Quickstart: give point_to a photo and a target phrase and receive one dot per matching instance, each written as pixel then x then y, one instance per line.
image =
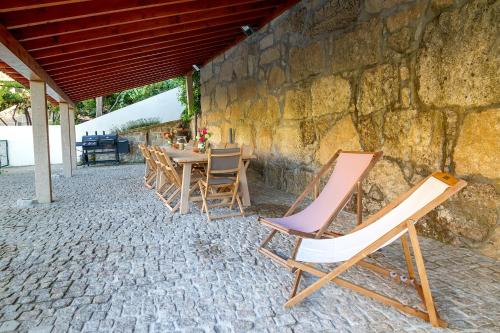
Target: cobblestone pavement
pixel 107 256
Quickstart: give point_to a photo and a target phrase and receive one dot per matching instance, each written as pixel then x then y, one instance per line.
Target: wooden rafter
pixel 88 48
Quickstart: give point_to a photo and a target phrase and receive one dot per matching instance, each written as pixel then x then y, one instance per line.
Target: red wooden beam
pixel 16 5
pixel 36 16
pixel 128 78
pixel 216 45
pixel 125 68
pixel 109 20
pixel 131 75
pixel 86 94
pixel 101 37
pixel 142 45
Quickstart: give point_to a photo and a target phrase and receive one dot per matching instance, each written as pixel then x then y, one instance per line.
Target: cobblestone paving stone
pixel 106 256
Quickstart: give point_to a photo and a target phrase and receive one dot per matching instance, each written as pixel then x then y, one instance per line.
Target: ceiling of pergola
pixel 94 47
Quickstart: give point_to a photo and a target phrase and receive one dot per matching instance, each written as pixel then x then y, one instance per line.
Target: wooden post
pixel 43 181
pixel 98 106
pixel 190 100
pixel 65 139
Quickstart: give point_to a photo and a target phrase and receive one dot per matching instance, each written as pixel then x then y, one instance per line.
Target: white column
pixel 65 139
pixel 72 137
pixel 43 182
pixel 98 106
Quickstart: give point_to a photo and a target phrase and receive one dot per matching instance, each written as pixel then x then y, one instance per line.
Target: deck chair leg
pixel 296 282
pixel 409 262
pixel 359 203
pixel 419 260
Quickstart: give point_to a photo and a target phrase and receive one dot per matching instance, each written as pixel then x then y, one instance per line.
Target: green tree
pixel 85 110
pixel 186 116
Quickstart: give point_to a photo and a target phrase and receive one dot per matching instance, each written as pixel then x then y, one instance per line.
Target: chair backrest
pixel 224 161
pixel 350 168
pixel 417 202
pixel 167 166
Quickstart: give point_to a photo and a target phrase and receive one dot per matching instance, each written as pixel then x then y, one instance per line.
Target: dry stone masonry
pixel 417 79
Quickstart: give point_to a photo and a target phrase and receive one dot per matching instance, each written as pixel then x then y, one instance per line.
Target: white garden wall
pixel 20 141
pixel 164 106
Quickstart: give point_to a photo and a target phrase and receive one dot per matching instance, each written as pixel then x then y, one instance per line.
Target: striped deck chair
pixel 381 229
pixel 350 169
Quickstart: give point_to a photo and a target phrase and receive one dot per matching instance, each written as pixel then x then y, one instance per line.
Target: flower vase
pixel 201 146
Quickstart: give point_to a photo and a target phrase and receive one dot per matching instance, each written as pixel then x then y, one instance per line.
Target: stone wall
pixel 150 135
pixel 417 79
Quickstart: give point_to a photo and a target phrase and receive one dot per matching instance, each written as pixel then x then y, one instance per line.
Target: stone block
pixel 468 218
pixel 400 40
pixel 330 94
pixel 266 42
pixel 334 15
pixel 221 97
pixel 458 63
pixel 306 61
pixel 226 71
pixel 415 136
pixel 375 6
pixel 406 17
pixel 247 89
pixel 478 146
pixel 389 180
pixel 379 89
pixel 276 77
pixel 342 135
pixel 270 55
pixel 288 140
pixel 358 48
pixel 297 104
pixel 263 140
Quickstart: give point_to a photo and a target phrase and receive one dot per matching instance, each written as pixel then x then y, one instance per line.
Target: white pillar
pixel 65 139
pixel 98 106
pixel 72 137
pixel 43 182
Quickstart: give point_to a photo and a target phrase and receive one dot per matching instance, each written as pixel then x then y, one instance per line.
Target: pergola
pixel 71 50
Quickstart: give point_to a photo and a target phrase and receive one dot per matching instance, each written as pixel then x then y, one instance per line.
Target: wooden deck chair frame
pixel 313 187
pixel 150 168
pixel 170 182
pixel 422 288
pixel 221 191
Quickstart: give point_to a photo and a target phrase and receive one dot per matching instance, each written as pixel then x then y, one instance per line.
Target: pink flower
pixel 202 139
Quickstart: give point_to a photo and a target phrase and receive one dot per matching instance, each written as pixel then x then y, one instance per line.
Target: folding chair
pixel 222 181
pixel 150 169
pixel 379 230
pixel 350 169
pixel 169 181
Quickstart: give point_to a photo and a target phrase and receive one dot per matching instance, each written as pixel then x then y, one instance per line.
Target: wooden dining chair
pixel 222 181
pixel 150 169
pixel 169 181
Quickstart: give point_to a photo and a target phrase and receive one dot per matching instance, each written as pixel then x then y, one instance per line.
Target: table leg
pixel 245 194
pixel 186 181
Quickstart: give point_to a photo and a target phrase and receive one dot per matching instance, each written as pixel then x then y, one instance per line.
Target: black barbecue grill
pixel 105 144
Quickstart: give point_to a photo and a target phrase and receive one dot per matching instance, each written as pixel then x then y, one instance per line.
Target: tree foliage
pixel 186 116
pixel 86 109
pixel 15 94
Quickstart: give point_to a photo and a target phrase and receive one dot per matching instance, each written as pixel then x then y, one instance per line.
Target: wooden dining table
pixel 187 157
